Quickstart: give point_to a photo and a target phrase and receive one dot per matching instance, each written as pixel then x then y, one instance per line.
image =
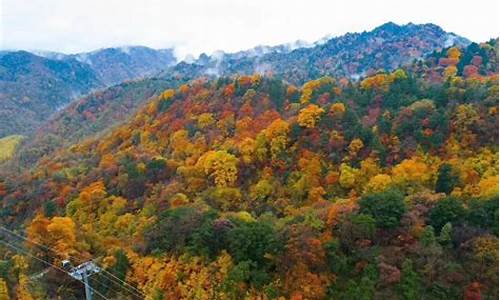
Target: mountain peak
pixel 392 27
pixel 389 26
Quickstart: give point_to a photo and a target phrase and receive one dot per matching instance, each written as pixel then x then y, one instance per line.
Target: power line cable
pixel 108 275
pixel 48 264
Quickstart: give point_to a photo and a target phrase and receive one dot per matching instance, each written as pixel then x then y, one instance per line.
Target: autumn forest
pixel 265 185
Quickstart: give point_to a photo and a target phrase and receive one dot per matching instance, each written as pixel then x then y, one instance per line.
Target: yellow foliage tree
pixel 261 190
pixel 199 280
pixel 347 176
pixel 4 292
pixel 181 145
pixel 454 53
pixel 309 87
pixel 370 167
pixel 378 183
pixel 337 110
pixel 107 161
pixel 399 74
pixel 220 165
pixel 378 81
pixel 450 71
pixel 227 198
pixel 205 120
pixel 355 146
pixel 306 96
pixel 247 149
pixel 62 232
pixel 167 94
pixel 59 234
pixel 310 115
pixel 411 171
pixel 488 187
pixel 277 135
pixel 22 290
pixel 479 166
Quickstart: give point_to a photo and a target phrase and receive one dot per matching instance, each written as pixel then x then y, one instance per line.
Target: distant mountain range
pixel 351 55
pixel 35 85
pixel 32 88
pixel 115 65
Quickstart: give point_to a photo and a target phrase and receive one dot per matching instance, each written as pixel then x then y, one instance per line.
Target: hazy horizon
pixel 194 27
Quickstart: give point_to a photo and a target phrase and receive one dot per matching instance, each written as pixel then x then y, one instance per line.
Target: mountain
pixel 352 55
pixel 91 115
pixel 33 87
pixel 101 110
pixel 248 187
pixel 115 65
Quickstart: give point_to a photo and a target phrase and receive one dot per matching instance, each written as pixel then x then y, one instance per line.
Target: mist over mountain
pixel 115 65
pixel 33 87
pixel 351 55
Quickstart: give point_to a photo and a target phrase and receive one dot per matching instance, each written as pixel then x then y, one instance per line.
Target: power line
pixel 105 285
pixel 108 275
pixel 139 293
pixel 49 264
pixel 112 278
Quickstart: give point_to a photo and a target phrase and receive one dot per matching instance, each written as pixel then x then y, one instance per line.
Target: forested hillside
pixel 251 187
pixel 34 87
pixel 102 109
pixel 92 115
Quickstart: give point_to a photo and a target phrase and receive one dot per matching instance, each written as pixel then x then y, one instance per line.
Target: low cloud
pixel 197 26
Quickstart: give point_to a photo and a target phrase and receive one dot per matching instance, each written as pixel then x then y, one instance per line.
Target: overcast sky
pixel 195 26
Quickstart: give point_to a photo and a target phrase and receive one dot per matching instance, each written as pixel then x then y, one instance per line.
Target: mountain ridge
pixel 34 87
pixel 111 62
pixel 345 55
pixel 351 55
pixel 99 111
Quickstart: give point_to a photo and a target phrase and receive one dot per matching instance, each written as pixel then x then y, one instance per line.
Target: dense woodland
pixel 249 187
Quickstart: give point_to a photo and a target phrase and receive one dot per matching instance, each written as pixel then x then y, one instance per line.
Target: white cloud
pixel 196 26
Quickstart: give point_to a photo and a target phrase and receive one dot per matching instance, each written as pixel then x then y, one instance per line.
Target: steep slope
pixel 90 115
pixel 99 111
pixel 28 100
pixel 351 55
pixel 249 187
pixel 33 87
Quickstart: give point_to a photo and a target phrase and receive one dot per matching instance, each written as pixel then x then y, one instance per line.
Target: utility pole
pixel 82 272
pixel 88 292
